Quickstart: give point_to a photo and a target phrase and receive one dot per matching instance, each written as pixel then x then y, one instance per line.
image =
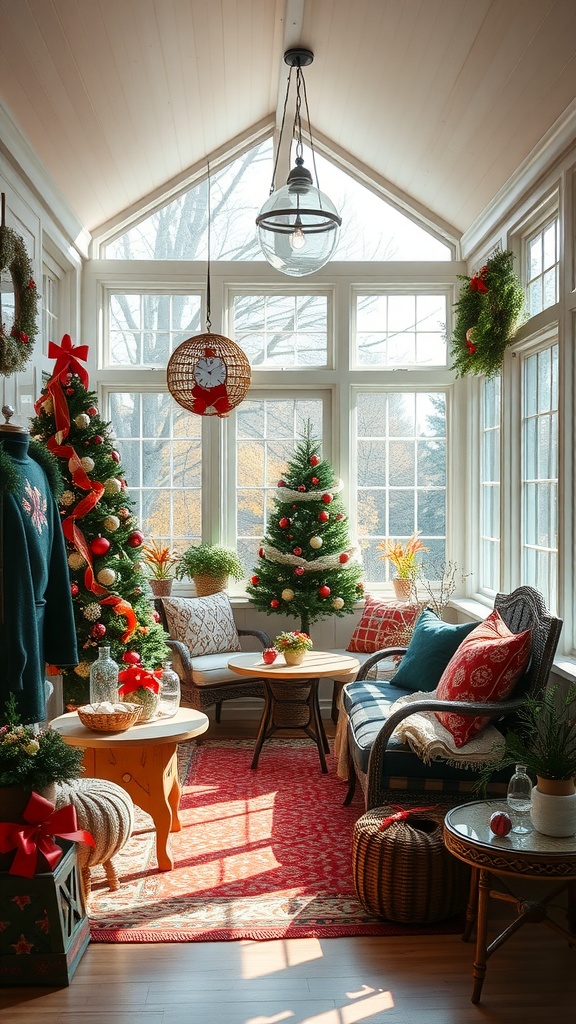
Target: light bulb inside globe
pixel 298 238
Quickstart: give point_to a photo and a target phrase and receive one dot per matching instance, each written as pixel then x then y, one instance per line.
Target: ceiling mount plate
pixel 298 57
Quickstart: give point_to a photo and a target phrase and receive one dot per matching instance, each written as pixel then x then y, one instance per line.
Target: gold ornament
pixel 83 669
pixel 87 464
pixel 111 523
pixel 337 603
pixel 92 611
pixel 82 420
pixel 112 485
pixel 287 595
pixel 67 498
pixel 76 560
pixel 106 577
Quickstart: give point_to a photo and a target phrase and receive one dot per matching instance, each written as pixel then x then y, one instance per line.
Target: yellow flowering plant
pixel 403 556
pixel 161 561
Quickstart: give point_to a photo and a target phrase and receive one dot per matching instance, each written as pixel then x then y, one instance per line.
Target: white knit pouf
pixel 107 811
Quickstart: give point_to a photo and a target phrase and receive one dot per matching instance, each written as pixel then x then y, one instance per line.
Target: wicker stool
pixel 107 811
pixel 404 873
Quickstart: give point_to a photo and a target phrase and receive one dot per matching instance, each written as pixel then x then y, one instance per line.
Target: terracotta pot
pixel 206 585
pixel 294 657
pixel 160 588
pixel 402 588
pixel 553 811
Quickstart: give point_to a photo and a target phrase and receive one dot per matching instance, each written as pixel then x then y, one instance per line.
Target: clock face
pixel 210 372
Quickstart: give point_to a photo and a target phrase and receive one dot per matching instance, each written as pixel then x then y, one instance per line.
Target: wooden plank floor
pixel 393 980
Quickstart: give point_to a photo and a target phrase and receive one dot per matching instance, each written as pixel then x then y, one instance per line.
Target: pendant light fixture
pixel 298 226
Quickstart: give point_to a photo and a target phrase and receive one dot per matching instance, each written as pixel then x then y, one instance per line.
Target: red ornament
pixel 254 580
pixel 115 455
pixel 294 507
pixel 135 539
pixel 261 553
pixel 324 591
pixel 500 823
pixel 301 487
pixel 69 391
pixel 326 498
pixel 274 603
pixel 296 551
pixel 269 656
pixel 74 589
pixel 97 439
pixel 100 545
pixel 343 558
pixel 314 460
pixel 92 410
pixel 360 586
pixel 281 483
pixel 315 480
pixel 339 516
pixel 284 523
pixel 98 630
pixel 131 658
pixel 323 517
pixel 156 616
pixel 299 570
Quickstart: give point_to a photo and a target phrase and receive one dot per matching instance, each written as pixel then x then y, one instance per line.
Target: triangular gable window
pixel 372 229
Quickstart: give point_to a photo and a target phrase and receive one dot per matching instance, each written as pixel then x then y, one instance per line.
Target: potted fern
pixel 209 565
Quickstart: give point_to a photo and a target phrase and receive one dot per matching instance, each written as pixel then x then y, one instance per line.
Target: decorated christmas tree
pixel 102 536
pixel 307 567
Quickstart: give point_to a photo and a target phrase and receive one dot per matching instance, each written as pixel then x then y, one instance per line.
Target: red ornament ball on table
pixel 324 591
pixel 500 823
pixel 99 545
pixel 131 658
pixel 269 656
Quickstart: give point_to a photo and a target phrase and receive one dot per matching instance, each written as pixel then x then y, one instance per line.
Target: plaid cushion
pixel 384 624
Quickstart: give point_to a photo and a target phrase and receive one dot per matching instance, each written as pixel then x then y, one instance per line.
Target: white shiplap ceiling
pixel 442 99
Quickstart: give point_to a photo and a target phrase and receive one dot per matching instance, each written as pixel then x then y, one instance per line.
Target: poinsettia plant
pixel 293 641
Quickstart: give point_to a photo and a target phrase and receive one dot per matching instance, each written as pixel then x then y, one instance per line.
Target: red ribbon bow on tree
pixel 401 815
pixel 478 283
pixel 37 836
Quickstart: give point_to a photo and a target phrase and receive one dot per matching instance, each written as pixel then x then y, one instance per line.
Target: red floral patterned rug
pixel 262 854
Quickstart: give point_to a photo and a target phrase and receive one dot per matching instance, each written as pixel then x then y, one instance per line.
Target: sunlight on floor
pixel 258 961
pixel 351 1014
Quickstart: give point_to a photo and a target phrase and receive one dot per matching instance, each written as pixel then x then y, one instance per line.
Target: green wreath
pixel 17 342
pixel 489 311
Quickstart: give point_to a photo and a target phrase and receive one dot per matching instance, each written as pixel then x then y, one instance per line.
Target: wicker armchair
pixel 522 609
pixel 207 682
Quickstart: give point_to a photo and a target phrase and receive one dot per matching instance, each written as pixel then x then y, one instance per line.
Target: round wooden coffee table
pixel 143 761
pixel 291 700
pixel 468 836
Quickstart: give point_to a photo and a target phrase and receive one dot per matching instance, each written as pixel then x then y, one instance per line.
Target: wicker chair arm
pixel 494 709
pixel 386 652
pixel 180 659
pixel 259 634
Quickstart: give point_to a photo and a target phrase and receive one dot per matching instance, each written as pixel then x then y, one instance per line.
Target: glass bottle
pixel 169 691
pixel 519 800
pixel 103 678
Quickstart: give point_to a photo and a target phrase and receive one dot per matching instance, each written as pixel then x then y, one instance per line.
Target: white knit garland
pixel 327 562
pixel 288 495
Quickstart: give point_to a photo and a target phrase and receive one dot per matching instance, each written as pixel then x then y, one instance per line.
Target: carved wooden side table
pixel 468 836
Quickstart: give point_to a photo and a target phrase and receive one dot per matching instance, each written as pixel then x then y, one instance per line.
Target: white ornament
pixel 106 577
pixel 111 523
pixel 82 420
pixel 76 560
pixel 67 498
pixel 92 611
pixel 112 485
pixel 316 542
pixel 87 464
pixel 287 595
pixel 337 603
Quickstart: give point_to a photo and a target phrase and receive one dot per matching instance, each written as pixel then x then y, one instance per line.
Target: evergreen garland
pixel 489 311
pixel 17 342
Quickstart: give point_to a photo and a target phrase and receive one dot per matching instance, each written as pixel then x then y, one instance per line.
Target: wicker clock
pixel 208 374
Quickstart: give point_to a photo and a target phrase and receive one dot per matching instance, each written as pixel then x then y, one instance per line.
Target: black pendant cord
pixel 312 150
pixel 272 186
pixel 208 310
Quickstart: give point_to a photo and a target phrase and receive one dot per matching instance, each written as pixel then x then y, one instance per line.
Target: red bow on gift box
pixel 36 837
pixel 401 815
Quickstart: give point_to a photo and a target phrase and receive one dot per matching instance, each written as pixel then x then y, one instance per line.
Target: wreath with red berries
pixel 17 340
pixel 489 311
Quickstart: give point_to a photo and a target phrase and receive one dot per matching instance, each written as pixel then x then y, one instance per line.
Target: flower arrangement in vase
pixel 293 645
pixel 138 686
pixel 403 558
pixel 544 740
pixel 161 564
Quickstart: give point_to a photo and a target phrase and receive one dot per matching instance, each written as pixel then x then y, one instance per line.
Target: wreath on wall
pixel 489 311
pixel 17 340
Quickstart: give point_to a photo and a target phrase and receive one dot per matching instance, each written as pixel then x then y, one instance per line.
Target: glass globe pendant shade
pixel 298 225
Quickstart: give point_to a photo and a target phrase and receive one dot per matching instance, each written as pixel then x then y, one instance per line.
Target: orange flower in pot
pixel 403 558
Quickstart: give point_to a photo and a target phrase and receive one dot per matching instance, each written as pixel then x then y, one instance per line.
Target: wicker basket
pixel 118 721
pixel 206 585
pixel 404 873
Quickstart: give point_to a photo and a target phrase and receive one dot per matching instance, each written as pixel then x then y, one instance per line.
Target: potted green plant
pixel 544 740
pixel 161 564
pixel 209 565
pixel 403 558
pixel 293 645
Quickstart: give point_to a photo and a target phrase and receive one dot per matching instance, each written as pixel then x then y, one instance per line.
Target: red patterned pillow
pixel 384 624
pixel 486 667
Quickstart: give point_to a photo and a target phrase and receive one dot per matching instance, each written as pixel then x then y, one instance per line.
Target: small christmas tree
pixel 102 536
pixel 307 567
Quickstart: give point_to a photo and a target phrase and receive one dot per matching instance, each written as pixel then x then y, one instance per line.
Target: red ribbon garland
pixel 36 838
pixel 401 815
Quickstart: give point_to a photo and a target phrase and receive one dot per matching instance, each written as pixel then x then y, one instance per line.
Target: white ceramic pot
pixel 553 814
pixel 402 588
pixel 294 657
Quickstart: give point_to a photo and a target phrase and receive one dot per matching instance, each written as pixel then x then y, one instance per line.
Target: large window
pixel 490 485
pixel 145 328
pixel 401 330
pixel 542 265
pixel 278 331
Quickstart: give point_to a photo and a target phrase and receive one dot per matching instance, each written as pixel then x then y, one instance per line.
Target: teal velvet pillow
pixel 431 647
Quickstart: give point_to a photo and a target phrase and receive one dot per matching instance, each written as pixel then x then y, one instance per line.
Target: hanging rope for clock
pixel 208 374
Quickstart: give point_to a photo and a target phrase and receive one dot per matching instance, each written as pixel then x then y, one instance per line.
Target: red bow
pixel 37 837
pixel 401 815
pixel 477 283
pixel 67 356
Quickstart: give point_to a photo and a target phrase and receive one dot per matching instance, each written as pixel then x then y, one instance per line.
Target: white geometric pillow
pixel 204 624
